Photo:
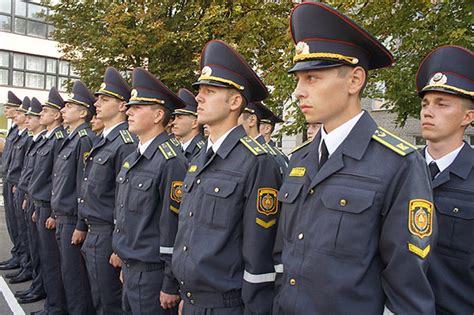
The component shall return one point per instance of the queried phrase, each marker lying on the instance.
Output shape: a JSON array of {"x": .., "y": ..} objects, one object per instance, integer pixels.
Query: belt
[
  {"x": 213, "y": 299},
  {"x": 138, "y": 266},
  {"x": 42, "y": 204},
  {"x": 63, "y": 219},
  {"x": 99, "y": 228}
]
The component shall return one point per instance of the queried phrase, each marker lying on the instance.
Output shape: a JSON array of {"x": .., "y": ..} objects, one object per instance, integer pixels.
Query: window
[
  {"x": 35, "y": 72},
  {"x": 25, "y": 18}
]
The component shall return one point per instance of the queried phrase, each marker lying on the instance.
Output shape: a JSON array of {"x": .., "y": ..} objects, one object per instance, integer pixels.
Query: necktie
[
  {"x": 209, "y": 154},
  {"x": 434, "y": 169},
  {"x": 324, "y": 155}
]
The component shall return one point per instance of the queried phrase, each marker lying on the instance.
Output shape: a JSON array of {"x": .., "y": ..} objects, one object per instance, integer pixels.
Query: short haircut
[{"x": 343, "y": 70}]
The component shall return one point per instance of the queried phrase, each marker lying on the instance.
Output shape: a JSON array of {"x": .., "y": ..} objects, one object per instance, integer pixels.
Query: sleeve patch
[
  {"x": 253, "y": 145},
  {"x": 265, "y": 224},
  {"x": 393, "y": 142},
  {"x": 420, "y": 217},
  {"x": 300, "y": 146},
  {"x": 167, "y": 150},
  {"x": 82, "y": 133},
  {"x": 59, "y": 134},
  {"x": 176, "y": 192},
  {"x": 126, "y": 136},
  {"x": 267, "y": 201},
  {"x": 418, "y": 251}
]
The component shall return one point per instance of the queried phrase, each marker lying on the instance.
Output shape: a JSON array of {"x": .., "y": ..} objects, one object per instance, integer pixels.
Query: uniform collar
[
  {"x": 80, "y": 127},
  {"x": 51, "y": 132},
  {"x": 260, "y": 139},
  {"x": 39, "y": 135},
  {"x": 462, "y": 164},
  {"x": 216, "y": 146},
  {"x": 112, "y": 131},
  {"x": 445, "y": 161},
  {"x": 186, "y": 144},
  {"x": 21, "y": 131},
  {"x": 334, "y": 139},
  {"x": 149, "y": 148}
]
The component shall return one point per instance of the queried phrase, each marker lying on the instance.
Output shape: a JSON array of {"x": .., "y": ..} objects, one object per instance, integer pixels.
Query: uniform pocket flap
[
  {"x": 101, "y": 159},
  {"x": 347, "y": 199},
  {"x": 455, "y": 207},
  {"x": 288, "y": 192},
  {"x": 43, "y": 152},
  {"x": 219, "y": 188},
  {"x": 142, "y": 183},
  {"x": 65, "y": 155}
]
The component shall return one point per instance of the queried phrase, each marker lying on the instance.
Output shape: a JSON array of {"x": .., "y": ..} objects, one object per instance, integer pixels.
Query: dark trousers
[
  {"x": 32, "y": 235},
  {"x": 189, "y": 309},
  {"x": 141, "y": 292},
  {"x": 104, "y": 279},
  {"x": 10, "y": 217},
  {"x": 55, "y": 303},
  {"x": 23, "y": 250},
  {"x": 73, "y": 270}
]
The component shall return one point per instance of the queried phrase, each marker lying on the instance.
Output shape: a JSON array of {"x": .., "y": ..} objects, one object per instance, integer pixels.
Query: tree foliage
[{"x": 167, "y": 37}]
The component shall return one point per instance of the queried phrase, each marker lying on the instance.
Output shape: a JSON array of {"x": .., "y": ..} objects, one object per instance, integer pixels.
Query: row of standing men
[{"x": 226, "y": 225}]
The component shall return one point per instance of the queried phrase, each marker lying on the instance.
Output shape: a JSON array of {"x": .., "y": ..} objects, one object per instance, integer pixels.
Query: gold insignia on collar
[
  {"x": 126, "y": 164},
  {"x": 302, "y": 48},
  {"x": 192, "y": 168},
  {"x": 420, "y": 217},
  {"x": 103, "y": 86},
  {"x": 206, "y": 71},
  {"x": 134, "y": 93},
  {"x": 438, "y": 78}
]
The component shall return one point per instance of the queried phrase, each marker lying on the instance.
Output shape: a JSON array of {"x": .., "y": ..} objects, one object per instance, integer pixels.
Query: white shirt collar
[
  {"x": 334, "y": 139},
  {"x": 186, "y": 144},
  {"x": 217, "y": 145},
  {"x": 50, "y": 132},
  {"x": 20, "y": 132},
  {"x": 39, "y": 134},
  {"x": 107, "y": 131},
  {"x": 444, "y": 162},
  {"x": 143, "y": 146}
]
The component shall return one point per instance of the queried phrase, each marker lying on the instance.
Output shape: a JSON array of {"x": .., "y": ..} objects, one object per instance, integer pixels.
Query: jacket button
[
  {"x": 54, "y": 174},
  {"x": 182, "y": 282},
  {"x": 286, "y": 195},
  {"x": 85, "y": 179},
  {"x": 456, "y": 210},
  {"x": 191, "y": 301},
  {"x": 311, "y": 191},
  {"x": 343, "y": 202},
  {"x": 189, "y": 294},
  {"x": 198, "y": 181},
  {"x": 292, "y": 281},
  {"x": 216, "y": 189},
  {"x": 185, "y": 185},
  {"x": 121, "y": 205},
  {"x": 185, "y": 248},
  {"x": 120, "y": 178},
  {"x": 190, "y": 214},
  {"x": 82, "y": 200},
  {"x": 99, "y": 159},
  {"x": 300, "y": 236},
  {"x": 140, "y": 185},
  {"x": 118, "y": 230},
  {"x": 90, "y": 159}
]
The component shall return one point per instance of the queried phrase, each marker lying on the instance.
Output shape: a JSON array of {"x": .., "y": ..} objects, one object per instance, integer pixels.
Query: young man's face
[
  {"x": 142, "y": 118},
  {"x": 9, "y": 112},
  {"x": 265, "y": 128},
  {"x": 312, "y": 130},
  {"x": 322, "y": 94},
  {"x": 213, "y": 104},
  {"x": 247, "y": 121},
  {"x": 183, "y": 125},
  {"x": 73, "y": 113},
  {"x": 444, "y": 115},
  {"x": 20, "y": 118},
  {"x": 108, "y": 107},
  {"x": 32, "y": 123},
  {"x": 48, "y": 115},
  {"x": 97, "y": 125}
]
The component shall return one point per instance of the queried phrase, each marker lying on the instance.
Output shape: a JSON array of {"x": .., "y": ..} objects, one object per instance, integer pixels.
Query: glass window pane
[
  {"x": 50, "y": 81},
  {"x": 34, "y": 80},
  {"x": 36, "y": 12},
  {"x": 62, "y": 84},
  {"x": 20, "y": 7},
  {"x": 5, "y": 24},
  {"x": 51, "y": 66},
  {"x": 18, "y": 78},
  {"x": 4, "y": 59},
  {"x": 64, "y": 67},
  {"x": 6, "y": 6},
  {"x": 50, "y": 31},
  {"x": 18, "y": 61},
  {"x": 3, "y": 76},
  {"x": 73, "y": 72},
  {"x": 35, "y": 63},
  {"x": 20, "y": 26},
  {"x": 36, "y": 29}
]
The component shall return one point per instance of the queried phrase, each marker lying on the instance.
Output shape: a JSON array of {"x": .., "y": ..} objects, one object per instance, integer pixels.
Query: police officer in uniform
[
  {"x": 10, "y": 107},
  {"x": 96, "y": 206},
  {"x": 149, "y": 189},
  {"x": 185, "y": 125},
  {"x": 39, "y": 191},
  {"x": 36, "y": 290},
  {"x": 445, "y": 82},
  {"x": 20, "y": 145},
  {"x": 67, "y": 180},
  {"x": 357, "y": 225},
  {"x": 223, "y": 251},
  {"x": 267, "y": 126}
]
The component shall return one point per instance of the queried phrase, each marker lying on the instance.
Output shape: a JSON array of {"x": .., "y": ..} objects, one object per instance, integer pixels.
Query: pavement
[{"x": 8, "y": 303}]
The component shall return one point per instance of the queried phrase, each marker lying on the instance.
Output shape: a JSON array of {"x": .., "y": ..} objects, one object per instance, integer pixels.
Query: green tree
[{"x": 167, "y": 37}]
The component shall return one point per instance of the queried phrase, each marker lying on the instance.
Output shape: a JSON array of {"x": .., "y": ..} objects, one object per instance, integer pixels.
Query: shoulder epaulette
[
  {"x": 126, "y": 136},
  {"x": 269, "y": 149},
  {"x": 200, "y": 143},
  {"x": 301, "y": 146},
  {"x": 59, "y": 134},
  {"x": 174, "y": 141},
  {"x": 393, "y": 142},
  {"x": 253, "y": 146},
  {"x": 82, "y": 133},
  {"x": 278, "y": 151},
  {"x": 167, "y": 150}
]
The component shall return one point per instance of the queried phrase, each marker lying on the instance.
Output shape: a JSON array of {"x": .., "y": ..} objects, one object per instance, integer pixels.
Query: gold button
[
  {"x": 292, "y": 281},
  {"x": 311, "y": 191},
  {"x": 189, "y": 294},
  {"x": 198, "y": 181},
  {"x": 343, "y": 202},
  {"x": 456, "y": 210},
  {"x": 216, "y": 189},
  {"x": 286, "y": 195},
  {"x": 300, "y": 236}
]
